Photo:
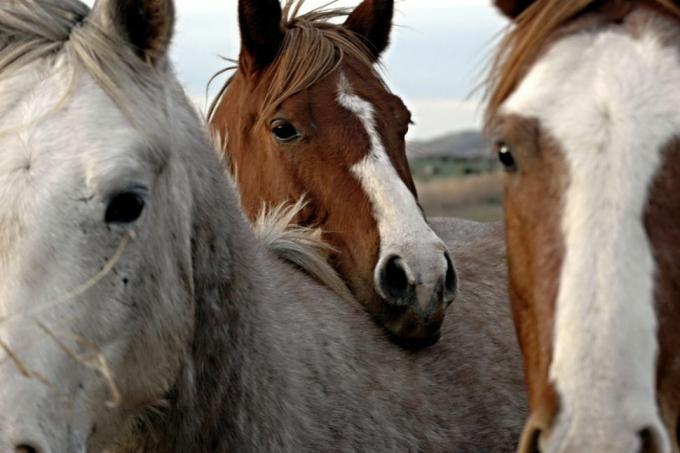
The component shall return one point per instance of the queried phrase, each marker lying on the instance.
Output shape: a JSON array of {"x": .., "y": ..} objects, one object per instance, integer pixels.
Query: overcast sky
[{"x": 438, "y": 54}]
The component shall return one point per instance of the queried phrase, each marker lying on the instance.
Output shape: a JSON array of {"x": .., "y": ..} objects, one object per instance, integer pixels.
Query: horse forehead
[
  {"x": 53, "y": 129},
  {"x": 367, "y": 83},
  {"x": 596, "y": 86}
]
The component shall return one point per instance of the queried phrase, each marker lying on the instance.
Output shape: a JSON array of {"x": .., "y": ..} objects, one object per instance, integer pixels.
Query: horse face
[
  {"x": 339, "y": 142},
  {"x": 96, "y": 270},
  {"x": 589, "y": 139}
]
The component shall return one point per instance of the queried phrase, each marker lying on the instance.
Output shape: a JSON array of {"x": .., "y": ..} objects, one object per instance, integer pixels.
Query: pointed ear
[
  {"x": 513, "y": 8},
  {"x": 147, "y": 25},
  {"x": 372, "y": 21},
  {"x": 261, "y": 33}
]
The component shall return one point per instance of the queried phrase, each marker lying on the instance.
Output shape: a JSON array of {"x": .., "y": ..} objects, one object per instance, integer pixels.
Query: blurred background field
[{"x": 457, "y": 175}]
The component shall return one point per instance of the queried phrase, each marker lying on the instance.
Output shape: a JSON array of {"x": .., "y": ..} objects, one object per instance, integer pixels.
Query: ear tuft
[
  {"x": 147, "y": 25},
  {"x": 372, "y": 21},
  {"x": 513, "y": 8},
  {"x": 261, "y": 33}
]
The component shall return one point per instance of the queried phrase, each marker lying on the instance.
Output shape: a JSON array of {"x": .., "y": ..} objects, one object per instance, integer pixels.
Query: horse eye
[
  {"x": 126, "y": 207},
  {"x": 506, "y": 157},
  {"x": 284, "y": 132}
]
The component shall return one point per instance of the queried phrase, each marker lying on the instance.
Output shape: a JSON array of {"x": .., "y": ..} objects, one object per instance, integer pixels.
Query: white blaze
[
  {"x": 402, "y": 227},
  {"x": 612, "y": 101}
]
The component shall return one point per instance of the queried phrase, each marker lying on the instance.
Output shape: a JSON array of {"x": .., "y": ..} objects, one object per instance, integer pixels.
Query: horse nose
[
  {"x": 650, "y": 441},
  {"x": 648, "y": 444},
  {"x": 401, "y": 285},
  {"x": 531, "y": 438},
  {"x": 30, "y": 447},
  {"x": 416, "y": 288},
  {"x": 539, "y": 423},
  {"x": 26, "y": 448},
  {"x": 26, "y": 442}
]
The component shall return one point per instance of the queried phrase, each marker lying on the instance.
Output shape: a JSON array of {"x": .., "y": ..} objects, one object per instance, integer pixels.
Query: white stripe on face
[
  {"x": 612, "y": 101},
  {"x": 401, "y": 225}
]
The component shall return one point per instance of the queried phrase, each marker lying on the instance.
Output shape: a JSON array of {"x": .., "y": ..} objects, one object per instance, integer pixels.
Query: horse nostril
[
  {"x": 25, "y": 448},
  {"x": 531, "y": 440},
  {"x": 645, "y": 441},
  {"x": 451, "y": 278},
  {"x": 534, "y": 445},
  {"x": 394, "y": 280},
  {"x": 648, "y": 441}
]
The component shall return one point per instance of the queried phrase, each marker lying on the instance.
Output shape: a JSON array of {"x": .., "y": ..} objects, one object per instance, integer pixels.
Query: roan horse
[
  {"x": 306, "y": 114},
  {"x": 585, "y": 111},
  {"x": 139, "y": 312}
]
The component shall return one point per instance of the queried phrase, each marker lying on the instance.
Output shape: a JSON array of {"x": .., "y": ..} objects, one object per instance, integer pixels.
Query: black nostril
[
  {"x": 531, "y": 440},
  {"x": 645, "y": 441},
  {"x": 25, "y": 448},
  {"x": 451, "y": 279},
  {"x": 394, "y": 279},
  {"x": 535, "y": 442},
  {"x": 648, "y": 442}
]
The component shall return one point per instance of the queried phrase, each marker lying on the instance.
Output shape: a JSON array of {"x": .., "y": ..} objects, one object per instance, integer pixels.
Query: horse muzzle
[{"x": 416, "y": 297}]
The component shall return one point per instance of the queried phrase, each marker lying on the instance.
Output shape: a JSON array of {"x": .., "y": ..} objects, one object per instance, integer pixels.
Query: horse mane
[
  {"x": 313, "y": 47},
  {"x": 298, "y": 245},
  {"x": 522, "y": 44},
  {"x": 31, "y": 30}
]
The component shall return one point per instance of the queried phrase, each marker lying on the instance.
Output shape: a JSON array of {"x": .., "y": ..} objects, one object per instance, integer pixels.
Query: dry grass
[
  {"x": 95, "y": 360},
  {"x": 478, "y": 197}
]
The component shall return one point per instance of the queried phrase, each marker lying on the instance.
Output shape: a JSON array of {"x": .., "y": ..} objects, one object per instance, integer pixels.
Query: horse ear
[
  {"x": 372, "y": 21},
  {"x": 147, "y": 25},
  {"x": 513, "y": 8},
  {"x": 261, "y": 32}
]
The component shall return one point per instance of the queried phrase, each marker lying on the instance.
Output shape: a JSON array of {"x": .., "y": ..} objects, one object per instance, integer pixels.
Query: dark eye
[
  {"x": 126, "y": 207},
  {"x": 506, "y": 157},
  {"x": 284, "y": 132}
]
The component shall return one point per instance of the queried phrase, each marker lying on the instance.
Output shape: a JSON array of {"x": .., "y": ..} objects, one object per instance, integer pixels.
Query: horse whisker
[
  {"x": 99, "y": 364},
  {"x": 130, "y": 235},
  {"x": 15, "y": 359},
  {"x": 22, "y": 367}
]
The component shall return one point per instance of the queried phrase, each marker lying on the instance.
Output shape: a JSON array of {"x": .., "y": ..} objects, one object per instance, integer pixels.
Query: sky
[{"x": 437, "y": 57}]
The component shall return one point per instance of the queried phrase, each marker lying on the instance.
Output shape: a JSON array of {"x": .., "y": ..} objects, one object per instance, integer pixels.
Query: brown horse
[
  {"x": 585, "y": 111},
  {"x": 306, "y": 114}
]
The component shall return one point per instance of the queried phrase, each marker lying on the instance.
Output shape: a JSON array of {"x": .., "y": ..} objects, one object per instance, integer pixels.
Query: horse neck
[
  {"x": 278, "y": 364},
  {"x": 232, "y": 384}
]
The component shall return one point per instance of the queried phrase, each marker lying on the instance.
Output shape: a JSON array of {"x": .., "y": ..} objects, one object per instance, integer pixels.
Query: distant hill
[{"x": 466, "y": 145}]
